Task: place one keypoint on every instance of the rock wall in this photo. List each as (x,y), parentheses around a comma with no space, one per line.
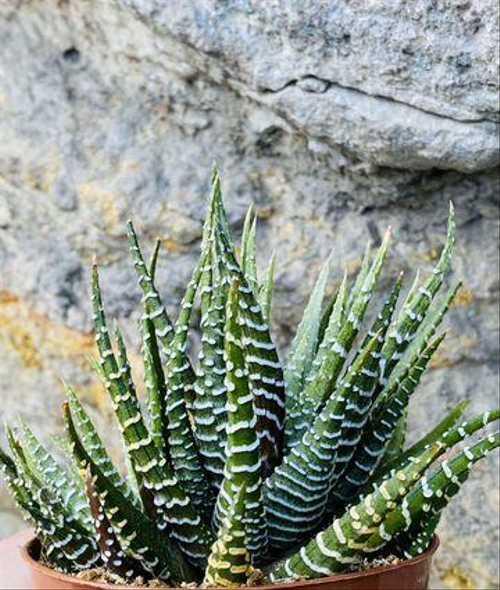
(334,118)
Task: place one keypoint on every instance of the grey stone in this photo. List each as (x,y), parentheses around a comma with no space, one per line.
(334,122)
(400,87)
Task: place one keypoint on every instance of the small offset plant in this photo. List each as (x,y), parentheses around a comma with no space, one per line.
(244,467)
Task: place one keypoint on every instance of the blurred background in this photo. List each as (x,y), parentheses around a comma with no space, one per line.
(334,119)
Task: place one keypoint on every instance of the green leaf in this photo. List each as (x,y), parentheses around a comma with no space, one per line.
(380,428)
(154,377)
(320,388)
(94,446)
(396,442)
(341,544)
(393,370)
(335,323)
(248,256)
(8,466)
(418,539)
(297,492)
(360,278)
(229,563)
(416,306)
(304,345)
(154,308)
(267,288)
(153,261)
(139,537)
(64,548)
(71,545)
(352,535)
(209,407)
(112,554)
(243,463)
(265,373)
(384,318)
(164,498)
(55,477)
(419,536)
(180,378)
(448,439)
(420,338)
(418,503)
(135,472)
(31,510)
(434,435)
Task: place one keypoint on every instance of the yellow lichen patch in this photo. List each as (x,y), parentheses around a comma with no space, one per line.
(463,298)
(104,202)
(34,337)
(456,579)
(353,266)
(20,340)
(450,356)
(95,395)
(431,255)
(264,212)
(41,343)
(174,247)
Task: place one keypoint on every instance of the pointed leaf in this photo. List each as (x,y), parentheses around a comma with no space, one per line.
(361,277)
(94,445)
(266,376)
(421,337)
(164,498)
(180,381)
(209,408)
(154,380)
(154,308)
(55,477)
(297,492)
(243,463)
(335,322)
(351,535)
(446,424)
(303,347)
(419,501)
(138,536)
(378,432)
(319,389)
(340,545)
(449,438)
(112,553)
(229,563)
(72,546)
(415,308)
(267,288)
(396,442)
(248,255)
(419,536)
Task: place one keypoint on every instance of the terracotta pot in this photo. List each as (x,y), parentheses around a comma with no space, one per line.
(408,575)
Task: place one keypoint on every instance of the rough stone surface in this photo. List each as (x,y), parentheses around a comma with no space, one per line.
(334,119)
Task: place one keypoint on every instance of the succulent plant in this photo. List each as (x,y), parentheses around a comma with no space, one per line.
(241,463)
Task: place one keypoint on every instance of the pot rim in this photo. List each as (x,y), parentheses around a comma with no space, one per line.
(31,545)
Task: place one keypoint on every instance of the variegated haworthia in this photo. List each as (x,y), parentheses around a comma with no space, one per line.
(240,459)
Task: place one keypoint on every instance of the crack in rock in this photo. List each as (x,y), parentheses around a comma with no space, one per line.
(382,130)
(316,85)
